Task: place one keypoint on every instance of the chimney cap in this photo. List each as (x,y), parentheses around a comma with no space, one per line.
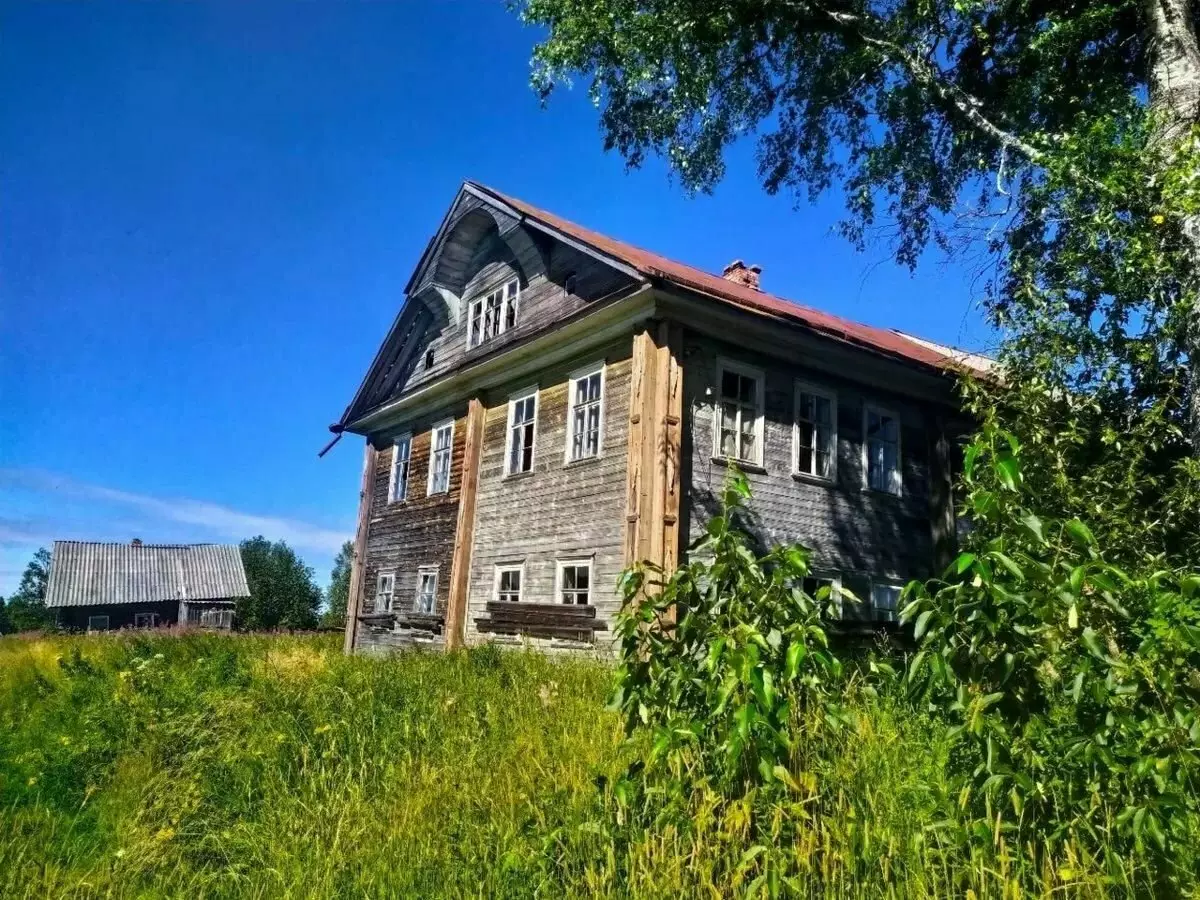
(740,273)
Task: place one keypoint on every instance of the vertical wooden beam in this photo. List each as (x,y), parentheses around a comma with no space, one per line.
(652,502)
(357,567)
(941,497)
(464,532)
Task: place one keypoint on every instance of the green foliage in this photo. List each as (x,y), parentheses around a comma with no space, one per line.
(26,609)
(283,591)
(205,765)
(746,652)
(338,594)
(1073,685)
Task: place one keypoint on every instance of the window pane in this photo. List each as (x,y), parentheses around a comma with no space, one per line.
(729,385)
(746,389)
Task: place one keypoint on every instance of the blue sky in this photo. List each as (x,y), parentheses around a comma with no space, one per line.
(208,212)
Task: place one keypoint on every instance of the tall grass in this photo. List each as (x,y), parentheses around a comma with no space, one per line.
(214,766)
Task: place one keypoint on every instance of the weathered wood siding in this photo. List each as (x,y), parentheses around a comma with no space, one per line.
(544,300)
(857,533)
(75,618)
(405,535)
(557,510)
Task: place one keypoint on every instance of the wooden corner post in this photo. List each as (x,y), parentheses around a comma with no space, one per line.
(652,500)
(464,531)
(357,566)
(942,522)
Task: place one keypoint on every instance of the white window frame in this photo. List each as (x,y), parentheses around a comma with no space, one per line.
(474,338)
(598,368)
(727,365)
(501,568)
(214,617)
(835,580)
(896,487)
(422,572)
(91,627)
(807,387)
(513,400)
(138,618)
(388,577)
(394,495)
(875,610)
(433,433)
(585,562)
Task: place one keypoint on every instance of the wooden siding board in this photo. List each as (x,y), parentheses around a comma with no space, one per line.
(558,510)
(857,532)
(406,535)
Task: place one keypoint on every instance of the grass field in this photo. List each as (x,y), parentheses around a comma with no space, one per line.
(247,766)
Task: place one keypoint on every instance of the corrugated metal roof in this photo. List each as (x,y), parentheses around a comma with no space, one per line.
(89,574)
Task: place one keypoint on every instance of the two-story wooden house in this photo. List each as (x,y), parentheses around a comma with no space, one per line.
(551,405)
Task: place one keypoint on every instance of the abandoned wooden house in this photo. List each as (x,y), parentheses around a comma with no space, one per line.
(551,405)
(98,587)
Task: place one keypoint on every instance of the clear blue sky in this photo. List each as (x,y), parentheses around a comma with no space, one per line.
(208,212)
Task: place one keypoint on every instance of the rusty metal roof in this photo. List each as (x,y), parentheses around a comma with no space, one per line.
(91,574)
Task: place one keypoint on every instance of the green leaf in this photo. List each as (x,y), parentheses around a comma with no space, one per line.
(1008,563)
(1034,525)
(1092,641)
(1080,533)
(1008,470)
(922,623)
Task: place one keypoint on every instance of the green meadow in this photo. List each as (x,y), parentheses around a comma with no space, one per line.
(253,766)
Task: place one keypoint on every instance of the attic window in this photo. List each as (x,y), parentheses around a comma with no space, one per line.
(429,359)
(494,313)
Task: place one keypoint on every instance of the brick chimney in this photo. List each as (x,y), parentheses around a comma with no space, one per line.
(136,542)
(740,273)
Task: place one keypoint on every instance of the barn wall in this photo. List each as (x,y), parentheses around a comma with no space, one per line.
(855,532)
(75,618)
(558,510)
(405,535)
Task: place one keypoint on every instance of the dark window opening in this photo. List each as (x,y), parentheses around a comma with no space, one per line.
(429,359)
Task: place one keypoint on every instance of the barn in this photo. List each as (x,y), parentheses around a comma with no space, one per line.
(106,586)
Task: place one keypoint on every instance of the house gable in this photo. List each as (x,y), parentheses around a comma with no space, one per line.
(481,245)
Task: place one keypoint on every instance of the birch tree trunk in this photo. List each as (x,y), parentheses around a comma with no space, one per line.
(1174,79)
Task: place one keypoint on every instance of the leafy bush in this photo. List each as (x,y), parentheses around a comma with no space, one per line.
(1072,685)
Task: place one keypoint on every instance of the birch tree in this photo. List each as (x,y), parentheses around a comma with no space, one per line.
(1059,137)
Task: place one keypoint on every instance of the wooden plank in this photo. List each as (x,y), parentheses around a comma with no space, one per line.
(354,602)
(941,496)
(464,534)
(670,453)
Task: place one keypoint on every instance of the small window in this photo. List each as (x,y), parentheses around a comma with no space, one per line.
(739,413)
(814,583)
(428,359)
(586,414)
(508,583)
(145,620)
(216,618)
(441,442)
(575,582)
(385,590)
(97,623)
(881,450)
(885,601)
(426,599)
(522,431)
(816,432)
(401,457)
(494,314)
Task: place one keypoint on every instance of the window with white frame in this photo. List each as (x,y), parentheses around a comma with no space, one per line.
(885,601)
(508,583)
(441,441)
(522,429)
(401,458)
(145,620)
(575,582)
(881,449)
(585,416)
(426,599)
(216,617)
(97,623)
(385,591)
(816,431)
(494,313)
(814,584)
(739,413)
